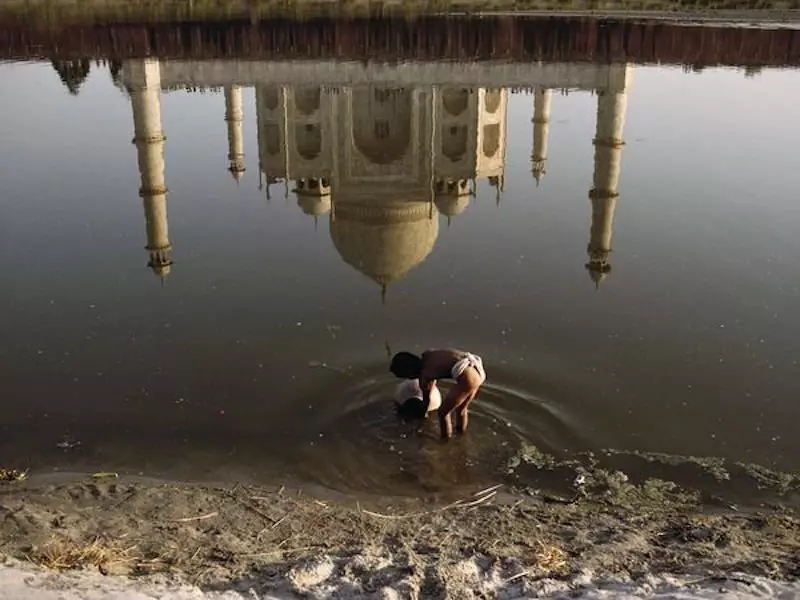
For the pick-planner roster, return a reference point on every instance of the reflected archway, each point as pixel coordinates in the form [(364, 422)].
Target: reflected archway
[(382, 123)]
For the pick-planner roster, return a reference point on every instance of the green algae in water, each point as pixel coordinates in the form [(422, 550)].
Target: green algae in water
[(531, 455), (616, 489), (771, 479)]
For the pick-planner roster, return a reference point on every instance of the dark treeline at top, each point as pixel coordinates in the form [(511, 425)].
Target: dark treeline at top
[(490, 38)]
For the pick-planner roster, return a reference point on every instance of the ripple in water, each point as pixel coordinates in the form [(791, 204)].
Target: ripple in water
[(358, 444)]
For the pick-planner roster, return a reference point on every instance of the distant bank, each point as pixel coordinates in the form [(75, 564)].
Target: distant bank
[(52, 13), (521, 39)]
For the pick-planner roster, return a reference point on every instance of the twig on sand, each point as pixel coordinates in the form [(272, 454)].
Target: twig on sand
[(382, 516), (477, 502), (457, 504), (489, 489), (279, 521), (517, 576), (516, 504), (200, 518), (277, 550), (131, 493), (250, 506)]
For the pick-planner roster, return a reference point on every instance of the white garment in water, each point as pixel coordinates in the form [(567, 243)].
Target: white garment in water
[(470, 360), (410, 389)]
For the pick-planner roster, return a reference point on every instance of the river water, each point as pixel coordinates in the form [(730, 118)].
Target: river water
[(220, 298)]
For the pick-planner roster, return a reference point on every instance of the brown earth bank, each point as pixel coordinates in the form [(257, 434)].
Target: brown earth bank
[(55, 12), (504, 38), (292, 541)]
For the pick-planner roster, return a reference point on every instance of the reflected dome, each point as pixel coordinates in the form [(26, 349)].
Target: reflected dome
[(451, 206), (384, 242), (314, 206)]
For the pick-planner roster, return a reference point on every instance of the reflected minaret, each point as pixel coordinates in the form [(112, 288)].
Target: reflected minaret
[(608, 143), (145, 82), (541, 125), (234, 117)]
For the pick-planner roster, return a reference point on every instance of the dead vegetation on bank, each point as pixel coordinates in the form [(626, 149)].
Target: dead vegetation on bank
[(62, 553)]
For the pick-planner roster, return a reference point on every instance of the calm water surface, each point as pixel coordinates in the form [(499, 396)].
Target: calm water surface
[(236, 317)]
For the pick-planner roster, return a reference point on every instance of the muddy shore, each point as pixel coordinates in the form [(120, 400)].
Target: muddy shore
[(293, 541)]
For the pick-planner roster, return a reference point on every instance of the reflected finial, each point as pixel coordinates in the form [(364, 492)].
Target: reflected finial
[(538, 169), (236, 171), (598, 271), (383, 295)]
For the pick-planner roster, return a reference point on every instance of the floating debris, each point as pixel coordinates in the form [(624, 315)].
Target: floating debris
[(13, 475), (66, 444)]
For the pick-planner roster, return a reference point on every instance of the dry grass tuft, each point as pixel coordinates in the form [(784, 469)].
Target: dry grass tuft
[(63, 554), (550, 558), (13, 475)]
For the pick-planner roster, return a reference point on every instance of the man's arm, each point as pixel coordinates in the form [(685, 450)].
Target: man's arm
[(426, 385)]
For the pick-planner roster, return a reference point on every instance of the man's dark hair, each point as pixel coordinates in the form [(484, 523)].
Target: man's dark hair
[(406, 365)]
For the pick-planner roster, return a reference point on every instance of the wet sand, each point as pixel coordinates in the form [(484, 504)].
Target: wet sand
[(502, 541)]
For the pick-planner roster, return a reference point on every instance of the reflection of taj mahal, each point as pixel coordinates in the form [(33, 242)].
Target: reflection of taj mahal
[(383, 161), (383, 153)]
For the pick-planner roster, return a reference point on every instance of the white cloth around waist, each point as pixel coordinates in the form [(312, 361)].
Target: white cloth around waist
[(410, 388), (469, 361)]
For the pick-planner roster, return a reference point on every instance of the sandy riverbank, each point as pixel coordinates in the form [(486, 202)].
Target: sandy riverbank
[(282, 542)]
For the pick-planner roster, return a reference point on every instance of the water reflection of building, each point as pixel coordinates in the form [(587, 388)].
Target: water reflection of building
[(144, 81), (382, 150), (382, 160), (234, 117), (541, 126), (611, 105)]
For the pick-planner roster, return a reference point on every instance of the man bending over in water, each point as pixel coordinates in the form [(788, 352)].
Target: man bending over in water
[(465, 368)]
